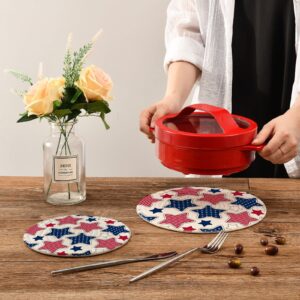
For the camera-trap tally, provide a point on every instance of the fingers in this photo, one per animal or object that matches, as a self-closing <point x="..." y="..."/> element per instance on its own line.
<point x="279" y="157"/>
<point x="264" y="134"/>
<point x="280" y="150"/>
<point x="290" y="145"/>
<point x="161" y="111"/>
<point x="145" y="121"/>
<point x="272" y="146"/>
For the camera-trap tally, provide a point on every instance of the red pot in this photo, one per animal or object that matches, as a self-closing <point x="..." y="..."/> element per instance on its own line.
<point x="206" y="142"/>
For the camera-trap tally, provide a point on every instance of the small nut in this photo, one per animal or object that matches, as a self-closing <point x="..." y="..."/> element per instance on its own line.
<point x="234" y="263"/>
<point x="271" y="250"/>
<point x="238" y="249"/>
<point x="280" y="240"/>
<point x="254" y="271"/>
<point x="264" y="241"/>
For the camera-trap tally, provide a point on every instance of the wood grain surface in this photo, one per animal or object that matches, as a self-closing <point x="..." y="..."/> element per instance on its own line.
<point x="25" y="274"/>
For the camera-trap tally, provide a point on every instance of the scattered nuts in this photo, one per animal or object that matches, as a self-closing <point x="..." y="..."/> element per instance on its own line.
<point x="271" y="250"/>
<point x="234" y="263"/>
<point x="264" y="241"/>
<point x="280" y="240"/>
<point x="254" y="271"/>
<point x="238" y="249"/>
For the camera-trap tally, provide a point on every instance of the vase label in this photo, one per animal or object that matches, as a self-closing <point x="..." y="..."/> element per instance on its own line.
<point x="65" y="168"/>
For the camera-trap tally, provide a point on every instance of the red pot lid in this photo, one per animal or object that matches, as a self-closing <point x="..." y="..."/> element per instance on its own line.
<point x="211" y="127"/>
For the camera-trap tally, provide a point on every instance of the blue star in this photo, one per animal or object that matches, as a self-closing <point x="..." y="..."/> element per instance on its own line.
<point x="59" y="232"/>
<point x="87" y="253"/>
<point x="216" y="229"/>
<point x="147" y="218"/>
<point x="76" y="248"/>
<point x="215" y="190"/>
<point x="247" y="203"/>
<point x="115" y="230"/>
<point x="205" y="223"/>
<point x="181" y="204"/>
<point x="156" y="210"/>
<point x="91" y="219"/>
<point x="81" y="239"/>
<point x="208" y="211"/>
<point x="38" y="238"/>
<point x="30" y="245"/>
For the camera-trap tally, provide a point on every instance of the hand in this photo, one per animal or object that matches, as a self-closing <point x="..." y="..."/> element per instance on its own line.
<point x="283" y="134"/>
<point x="168" y="105"/>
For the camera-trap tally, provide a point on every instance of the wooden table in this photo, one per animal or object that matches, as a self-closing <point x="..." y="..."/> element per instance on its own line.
<point x="25" y="274"/>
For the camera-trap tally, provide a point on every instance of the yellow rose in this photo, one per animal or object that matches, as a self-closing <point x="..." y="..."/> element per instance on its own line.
<point x="95" y="84"/>
<point x="40" y="97"/>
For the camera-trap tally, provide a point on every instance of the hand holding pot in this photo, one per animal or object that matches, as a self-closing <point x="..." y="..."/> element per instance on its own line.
<point x="181" y="79"/>
<point x="167" y="105"/>
<point x="283" y="133"/>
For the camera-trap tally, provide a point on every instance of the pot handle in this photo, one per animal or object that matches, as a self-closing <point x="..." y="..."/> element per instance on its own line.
<point x="251" y="147"/>
<point x="221" y="115"/>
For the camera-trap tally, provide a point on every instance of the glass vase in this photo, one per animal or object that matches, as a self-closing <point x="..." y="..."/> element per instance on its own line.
<point x="64" y="165"/>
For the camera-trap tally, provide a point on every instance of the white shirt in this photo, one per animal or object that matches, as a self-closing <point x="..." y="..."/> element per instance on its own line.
<point x="200" y="32"/>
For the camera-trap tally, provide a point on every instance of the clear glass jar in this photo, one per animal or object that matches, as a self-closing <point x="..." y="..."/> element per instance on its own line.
<point x="64" y="165"/>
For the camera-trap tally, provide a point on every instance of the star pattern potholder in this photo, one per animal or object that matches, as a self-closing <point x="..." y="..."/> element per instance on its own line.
<point x="76" y="236"/>
<point x="201" y="209"/>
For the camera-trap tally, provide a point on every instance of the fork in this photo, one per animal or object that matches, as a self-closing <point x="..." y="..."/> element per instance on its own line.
<point x="213" y="247"/>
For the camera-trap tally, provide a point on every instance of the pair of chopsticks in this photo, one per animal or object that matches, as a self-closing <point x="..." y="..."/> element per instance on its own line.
<point x="114" y="263"/>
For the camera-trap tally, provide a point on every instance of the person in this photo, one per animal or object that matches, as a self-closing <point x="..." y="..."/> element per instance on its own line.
<point x="240" y="55"/>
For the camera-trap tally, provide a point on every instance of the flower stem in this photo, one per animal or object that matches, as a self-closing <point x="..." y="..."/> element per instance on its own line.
<point x="57" y="148"/>
<point x="66" y="148"/>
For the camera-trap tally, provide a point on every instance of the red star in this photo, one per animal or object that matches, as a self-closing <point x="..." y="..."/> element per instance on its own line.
<point x="257" y="212"/>
<point x="123" y="237"/>
<point x="62" y="253"/>
<point x="187" y="191"/>
<point x="242" y="218"/>
<point x="109" y="244"/>
<point x="167" y="196"/>
<point x="148" y="201"/>
<point x="87" y="227"/>
<point x="34" y="229"/>
<point x="68" y="220"/>
<point x="176" y="220"/>
<point x="189" y="229"/>
<point x="214" y="199"/>
<point x="236" y="193"/>
<point x="110" y="222"/>
<point x="50" y="225"/>
<point x="53" y="246"/>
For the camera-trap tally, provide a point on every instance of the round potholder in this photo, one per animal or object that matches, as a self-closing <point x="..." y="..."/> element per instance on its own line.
<point x="77" y="236"/>
<point x="201" y="209"/>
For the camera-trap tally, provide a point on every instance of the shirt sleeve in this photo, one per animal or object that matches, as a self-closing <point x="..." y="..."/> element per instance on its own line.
<point x="182" y="34"/>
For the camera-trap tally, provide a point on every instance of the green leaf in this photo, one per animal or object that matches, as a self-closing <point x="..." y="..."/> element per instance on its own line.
<point x="79" y="106"/>
<point x="76" y="96"/>
<point x="102" y="116"/>
<point x="56" y="104"/>
<point x="68" y="94"/>
<point x="62" y="112"/>
<point x="97" y="106"/>
<point x="73" y="115"/>
<point x="72" y="95"/>
<point x="26" y="118"/>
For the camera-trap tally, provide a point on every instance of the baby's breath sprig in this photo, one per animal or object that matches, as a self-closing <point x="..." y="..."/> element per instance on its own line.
<point x="20" y="75"/>
<point x="73" y="64"/>
<point x="73" y="61"/>
<point x="79" y="59"/>
<point x="68" y="69"/>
